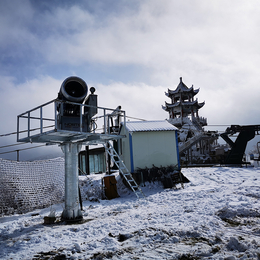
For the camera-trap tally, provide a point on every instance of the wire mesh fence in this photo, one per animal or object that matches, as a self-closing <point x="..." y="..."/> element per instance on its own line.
<point x="25" y="186"/>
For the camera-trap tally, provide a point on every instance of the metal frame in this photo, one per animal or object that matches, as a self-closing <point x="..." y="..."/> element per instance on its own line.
<point x="56" y="135"/>
<point x="238" y="147"/>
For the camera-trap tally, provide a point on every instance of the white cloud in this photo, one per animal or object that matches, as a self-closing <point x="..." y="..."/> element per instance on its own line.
<point x="213" y="45"/>
<point x="159" y="34"/>
<point x="16" y="99"/>
<point x="138" y="100"/>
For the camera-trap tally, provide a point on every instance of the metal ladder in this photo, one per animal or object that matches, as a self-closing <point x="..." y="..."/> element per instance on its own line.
<point x="123" y="170"/>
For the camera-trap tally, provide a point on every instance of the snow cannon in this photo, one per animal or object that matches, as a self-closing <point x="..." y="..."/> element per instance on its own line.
<point x="72" y="95"/>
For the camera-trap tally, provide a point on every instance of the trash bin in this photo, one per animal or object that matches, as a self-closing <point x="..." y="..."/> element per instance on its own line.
<point x="110" y="188"/>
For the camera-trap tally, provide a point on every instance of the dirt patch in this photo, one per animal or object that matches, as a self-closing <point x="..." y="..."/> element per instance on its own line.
<point x="240" y="217"/>
<point x="188" y="257"/>
<point x="53" y="255"/>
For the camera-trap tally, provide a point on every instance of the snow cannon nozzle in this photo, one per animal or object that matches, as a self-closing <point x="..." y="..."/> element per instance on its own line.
<point x="73" y="89"/>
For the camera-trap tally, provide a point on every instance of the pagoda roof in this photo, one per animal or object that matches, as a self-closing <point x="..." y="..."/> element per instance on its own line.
<point x="182" y="88"/>
<point x="184" y="104"/>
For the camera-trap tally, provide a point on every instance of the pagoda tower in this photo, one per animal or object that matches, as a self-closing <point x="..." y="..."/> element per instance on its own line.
<point x="183" y="106"/>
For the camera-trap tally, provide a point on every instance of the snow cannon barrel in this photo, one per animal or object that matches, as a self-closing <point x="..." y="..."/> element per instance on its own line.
<point x="73" y="89"/>
<point x="73" y="96"/>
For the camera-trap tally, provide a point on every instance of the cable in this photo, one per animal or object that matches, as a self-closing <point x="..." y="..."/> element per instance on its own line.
<point x="93" y="122"/>
<point x="136" y="118"/>
<point x="24" y="131"/>
<point x="3" y="135"/>
<point x="218" y="125"/>
<point x="23" y="149"/>
<point x="8" y="134"/>
<point x="11" y="145"/>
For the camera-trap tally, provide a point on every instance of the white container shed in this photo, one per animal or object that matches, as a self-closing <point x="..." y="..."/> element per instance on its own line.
<point x="149" y="143"/>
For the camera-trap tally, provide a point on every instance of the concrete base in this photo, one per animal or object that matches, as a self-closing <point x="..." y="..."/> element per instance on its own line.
<point x="71" y="215"/>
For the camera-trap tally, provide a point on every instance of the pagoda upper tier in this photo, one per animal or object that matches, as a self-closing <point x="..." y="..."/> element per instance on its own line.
<point x="182" y="92"/>
<point x="183" y="103"/>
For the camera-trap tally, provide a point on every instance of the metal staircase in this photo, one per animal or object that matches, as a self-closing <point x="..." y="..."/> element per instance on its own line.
<point x="191" y="142"/>
<point x="196" y="123"/>
<point x="123" y="170"/>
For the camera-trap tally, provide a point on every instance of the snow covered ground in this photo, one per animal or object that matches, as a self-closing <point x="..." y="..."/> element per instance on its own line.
<point x="215" y="216"/>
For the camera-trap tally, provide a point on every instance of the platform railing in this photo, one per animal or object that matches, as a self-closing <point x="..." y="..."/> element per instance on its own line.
<point x="44" y="118"/>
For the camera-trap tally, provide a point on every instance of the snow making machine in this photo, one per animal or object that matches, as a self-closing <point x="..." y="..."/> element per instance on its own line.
<point x="70" y="120"/>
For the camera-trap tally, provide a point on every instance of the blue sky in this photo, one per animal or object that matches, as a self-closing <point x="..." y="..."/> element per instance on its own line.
<point x="132" y="52"/>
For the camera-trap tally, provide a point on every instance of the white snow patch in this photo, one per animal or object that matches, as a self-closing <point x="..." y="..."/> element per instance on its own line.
<point x="215" y="216"/>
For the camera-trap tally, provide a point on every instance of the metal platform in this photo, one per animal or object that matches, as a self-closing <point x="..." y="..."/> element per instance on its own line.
<point x="60" y="136"/>
<point x="49" y="129"/>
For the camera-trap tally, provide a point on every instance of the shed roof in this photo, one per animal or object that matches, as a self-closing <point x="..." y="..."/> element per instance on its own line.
<point x="145" y="126"/>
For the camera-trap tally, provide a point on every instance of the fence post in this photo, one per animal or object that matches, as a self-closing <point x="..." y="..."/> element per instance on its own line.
<point x="17" y="155"/>
<point x="28" y="124"/>
<point x="41" y="120"/>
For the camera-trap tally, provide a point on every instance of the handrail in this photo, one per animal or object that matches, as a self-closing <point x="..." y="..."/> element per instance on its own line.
<point x="54" y="118"/>
<point x="45" y="104"/>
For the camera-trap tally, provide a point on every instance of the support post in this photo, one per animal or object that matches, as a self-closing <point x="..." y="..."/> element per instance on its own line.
<point x="87" y="160"/>
<point x="108" y="161"/>
<point x="17" y="156"/>
<point x="72" y="210"/>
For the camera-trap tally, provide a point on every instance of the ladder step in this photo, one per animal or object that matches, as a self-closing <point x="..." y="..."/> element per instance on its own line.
<point x="132" y="181"/>
<point x="123" y="170"/>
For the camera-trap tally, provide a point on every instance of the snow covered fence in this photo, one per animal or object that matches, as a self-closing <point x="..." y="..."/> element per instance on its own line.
<point x="28" y="185"/>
